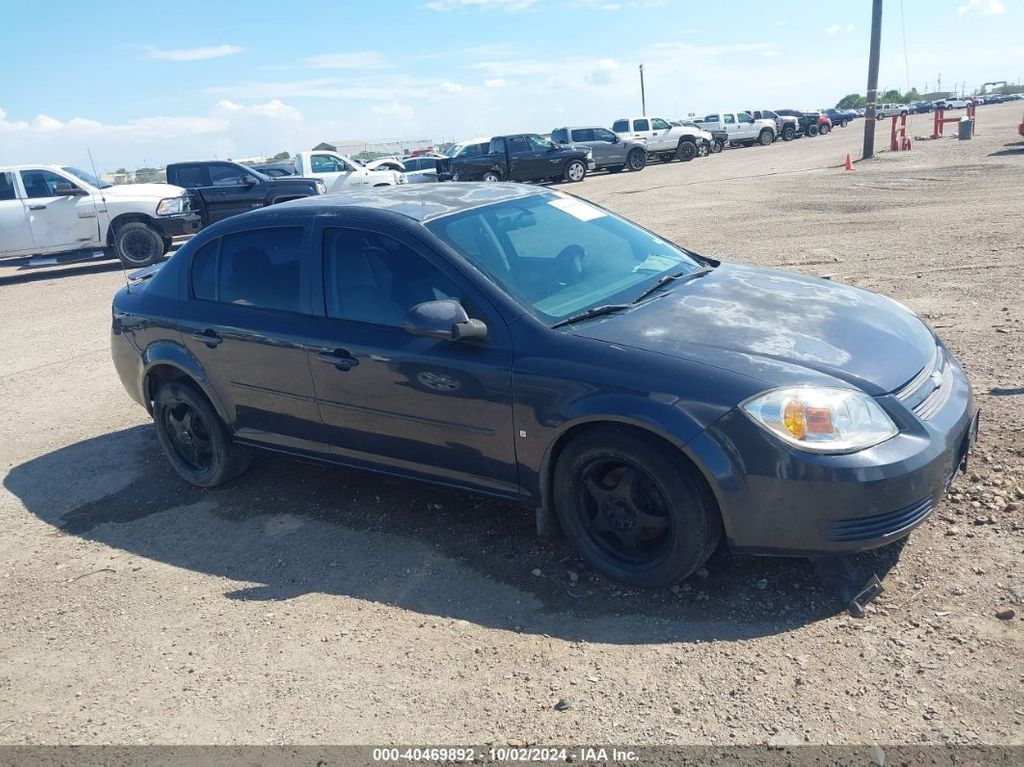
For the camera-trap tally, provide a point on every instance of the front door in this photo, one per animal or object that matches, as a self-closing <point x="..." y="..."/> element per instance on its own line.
<point x="59" y="220"/>
<point x="15" y="230"/>
<point x="247" y="321"/>
<point x="232" y="190"/>
<point x="391" y="400"/>
<point x="661" y="133"/>
<point x="335" y="172"/>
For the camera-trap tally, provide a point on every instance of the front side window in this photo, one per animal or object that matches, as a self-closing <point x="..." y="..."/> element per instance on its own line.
<point x="558" y="255"/>
<point x="259" y="269"/>
<point x="538" y="143"/>
<point x="745" y="118"/>
<point x="42" y="183"/>
<point x="323" y="163"/>
<point x="228" y="175"/>
<point x="639" y="125"/>
<point x="373" y="278"/>
<point x="6" y="187"/>
<point x="603" y="134"/>
<point x="658" y="124"/>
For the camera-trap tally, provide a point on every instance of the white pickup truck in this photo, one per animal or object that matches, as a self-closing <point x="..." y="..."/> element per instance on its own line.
<point x="664" y="140"/>
<point x="58" y="214"/>
<point x="339" y="172"/>
<point x="743" y="129"/>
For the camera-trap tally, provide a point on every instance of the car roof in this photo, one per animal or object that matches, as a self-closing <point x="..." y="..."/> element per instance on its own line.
<point x="419" y="202"/>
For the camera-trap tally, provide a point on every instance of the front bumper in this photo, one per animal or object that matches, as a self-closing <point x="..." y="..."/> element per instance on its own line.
<point x="778" y="500"/>
<point x="178" y="226"/>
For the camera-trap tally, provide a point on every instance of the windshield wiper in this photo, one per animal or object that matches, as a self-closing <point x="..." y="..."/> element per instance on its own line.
<point x="596" y="311"/>
<point x="663" y="281"/>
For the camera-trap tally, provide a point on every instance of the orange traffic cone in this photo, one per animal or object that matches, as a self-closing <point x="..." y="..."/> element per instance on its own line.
<point x="849" y="163"/>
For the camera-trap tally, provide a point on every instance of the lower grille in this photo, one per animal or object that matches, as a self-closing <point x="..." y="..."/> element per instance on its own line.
<point x="879" y="525"/>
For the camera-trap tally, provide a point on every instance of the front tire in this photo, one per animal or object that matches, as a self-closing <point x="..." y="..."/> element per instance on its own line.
<point x="636" y="159"/>
<point x="812" y="130"/>
<point x="193" y="437"/>
<point x="575" y="171"/>
<point x="844" y="123"/>
<point x="686" y="150"/>
<point x="788" y="133"/>
<point x="765" y="137"/>
<point x="633" y="508"/>
<point x="138" y="244"/>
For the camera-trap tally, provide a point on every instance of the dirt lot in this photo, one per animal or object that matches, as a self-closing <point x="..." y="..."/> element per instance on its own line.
<point x="314" y="605"/>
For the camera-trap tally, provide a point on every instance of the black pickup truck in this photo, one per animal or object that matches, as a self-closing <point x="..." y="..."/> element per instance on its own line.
<point x="220" y="188"/>
<point x="520" y="157"/>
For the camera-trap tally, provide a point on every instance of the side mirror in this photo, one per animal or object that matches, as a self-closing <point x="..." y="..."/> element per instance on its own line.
<point x="67" y="190"/>
<point x="445" y="320"/>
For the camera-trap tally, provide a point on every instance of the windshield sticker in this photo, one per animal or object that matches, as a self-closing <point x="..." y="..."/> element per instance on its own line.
<point x="577" y="208"/>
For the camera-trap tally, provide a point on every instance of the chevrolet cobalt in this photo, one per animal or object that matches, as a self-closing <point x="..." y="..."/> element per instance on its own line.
<point x="522" y="343"/>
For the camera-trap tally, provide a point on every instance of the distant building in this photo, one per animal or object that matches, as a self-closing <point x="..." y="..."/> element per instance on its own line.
<point x="358" y="146"/>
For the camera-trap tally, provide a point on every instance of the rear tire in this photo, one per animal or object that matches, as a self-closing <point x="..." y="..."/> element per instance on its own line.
<point x="138" y="244"/>
<point x="193" y="437"/>
<point x="634" y="509"/>
<point x="844" y="123"/>
<point x="636" y="159"/>
<point x="491" y="176"/>
<point x="824" y="129"/>
<point x="717" y="146"/>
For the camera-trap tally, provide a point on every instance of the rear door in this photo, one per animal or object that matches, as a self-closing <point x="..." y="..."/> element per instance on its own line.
<point x="405" y="403"/>
<point x="247" y="321"/>
<point x="59" y="221"/>
<point x="730" y="126"/>
<point x="15" y="229"/>
<point x="641" y="129"/>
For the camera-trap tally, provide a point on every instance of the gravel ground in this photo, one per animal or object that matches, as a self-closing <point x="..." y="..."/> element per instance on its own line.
<point x="314" y="605"/>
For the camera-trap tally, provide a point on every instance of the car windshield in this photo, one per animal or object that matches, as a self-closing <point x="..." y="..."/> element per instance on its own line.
<point x="88" y="178"/>
<point x="558" y="255"/>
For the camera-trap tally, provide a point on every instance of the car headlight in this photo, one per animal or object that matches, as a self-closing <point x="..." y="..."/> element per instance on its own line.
<point x="170" y="206"/>
<point x="822" y="419"/>
<point x="321" y="187"/>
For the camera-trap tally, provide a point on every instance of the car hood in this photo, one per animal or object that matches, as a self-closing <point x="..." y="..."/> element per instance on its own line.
<point x="158" y="191"/>
<point x="778" y="327"/>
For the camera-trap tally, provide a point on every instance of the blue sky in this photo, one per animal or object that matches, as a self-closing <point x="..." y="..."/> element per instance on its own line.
<point x="158" y="82"/>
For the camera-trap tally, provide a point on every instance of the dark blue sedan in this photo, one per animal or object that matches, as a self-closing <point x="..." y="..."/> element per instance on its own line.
<point x="523" y="343"/>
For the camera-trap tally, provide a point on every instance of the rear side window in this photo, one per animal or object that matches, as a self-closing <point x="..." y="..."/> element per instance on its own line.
<point x="561" y="136"/>
<point x="6" y="186"/>
<point x="620" y="126"/>
<point x="497" y="146"/>
<point x="518" y="145"/>
<point x="581" y="134"/>
<point x="204" y="272"/>
<point x="641" y="125"/>
<point x="192" y="176"/>
<point x="729" y="119"/>
<point x="258" y="269"/>
<point x="711" y="118"/>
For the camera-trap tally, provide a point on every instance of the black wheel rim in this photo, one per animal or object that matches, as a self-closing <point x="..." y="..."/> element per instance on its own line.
<point x="189" y="435"/>
<point x="623" y="511"/>
<point x="687" y="151"/>
<point x="138" y="247"/>
<point x="636" y="162"/>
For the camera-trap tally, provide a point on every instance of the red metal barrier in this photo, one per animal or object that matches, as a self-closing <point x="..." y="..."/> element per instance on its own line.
<point x="941" y="119"/>
<point x="898" y="136"/>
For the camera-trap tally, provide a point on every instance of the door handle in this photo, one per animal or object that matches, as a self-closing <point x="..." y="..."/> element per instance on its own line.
<point x="340" y="358"/>
<point x="211" y="338"/>
<point x="37" y="207"/>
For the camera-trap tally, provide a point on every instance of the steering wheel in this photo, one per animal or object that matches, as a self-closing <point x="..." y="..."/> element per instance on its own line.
<point x="568" y="266"/>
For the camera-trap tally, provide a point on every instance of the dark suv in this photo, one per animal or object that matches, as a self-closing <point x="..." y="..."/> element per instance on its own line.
<point x="520" y="342"/>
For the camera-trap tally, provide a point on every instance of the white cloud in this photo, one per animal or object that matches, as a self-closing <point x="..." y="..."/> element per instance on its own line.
<point x="192" y="54"/>
<point x="984" y="7"/>
<point x="354" y="60"/>
<point x="487" y="5"/>
<point x="496" y="83"/>
<point x="394" y="111"/>
<point x="834" y="29"/>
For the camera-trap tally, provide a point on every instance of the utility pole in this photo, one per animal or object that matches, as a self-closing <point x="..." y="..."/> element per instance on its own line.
<point x="643" y="97"/>
<point x="872" y="95"/>
<point x="938" y="88"/>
